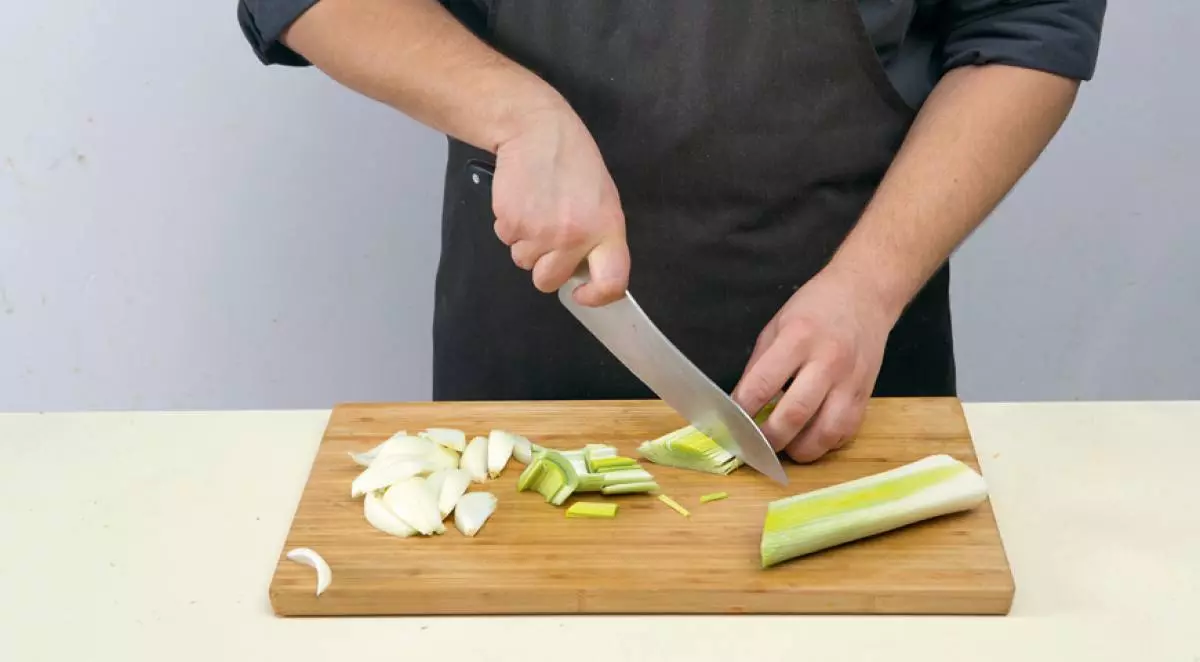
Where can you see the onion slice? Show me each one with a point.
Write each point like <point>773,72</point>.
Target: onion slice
<point>472,511</point>
<point>499,450</point>
<point>379,516</point>
<point>383,472</point>
<point>453,487</point>
<point>306,556</point>
<point>474,459</point>
<point>455,440</point>
<point>410,500</point>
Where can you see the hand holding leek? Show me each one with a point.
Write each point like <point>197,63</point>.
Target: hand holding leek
<point>830,337</point>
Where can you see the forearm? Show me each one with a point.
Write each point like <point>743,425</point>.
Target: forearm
<point>976,135</point>
<point>414,56</point>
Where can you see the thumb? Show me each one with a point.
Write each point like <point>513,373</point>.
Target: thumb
<point>608,273</point>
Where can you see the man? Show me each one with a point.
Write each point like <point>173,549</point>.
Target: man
<point>780,183</point>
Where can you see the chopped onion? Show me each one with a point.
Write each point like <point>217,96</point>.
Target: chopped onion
<point>472,511</point>
<point>522,449</point>
<point>499,450</point>
<point>453,487</point>
<point>474,459</point>
<point>440,457</point>
<point>383,472</point>
<point>308,557</point>
<point>364,458</point>
<point>410,500</point>
<point>455,440</point>
<point>434,481</point>
<point>381,517</point>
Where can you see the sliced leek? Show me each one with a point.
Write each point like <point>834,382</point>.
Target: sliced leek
<point>688,448</point>
<point>805,523</point>
<point>592,510</point>
<point>715,496</point>
<point>674,505</point>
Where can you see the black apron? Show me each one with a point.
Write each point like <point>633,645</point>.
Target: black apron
<point>744,138</point>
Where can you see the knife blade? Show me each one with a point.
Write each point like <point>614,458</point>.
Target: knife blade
<point>625,329</point>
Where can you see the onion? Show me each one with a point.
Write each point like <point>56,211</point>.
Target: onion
<point>308,557</point>
<point>472,511</point>
<point>474,459</point>
<point>381,517</point>
<point>410,500</point>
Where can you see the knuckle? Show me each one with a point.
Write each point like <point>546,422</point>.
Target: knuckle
<point>804,453</point>
<point>795,415</point>
<point>839,352</point>
<point>571,232</point>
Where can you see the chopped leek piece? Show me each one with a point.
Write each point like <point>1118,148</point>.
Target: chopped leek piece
<point>808,522</point>
<point>592,510</point>
<point>630,488</point>
<point>715,496</point>
<point>688,448</point>
<point>674,506</point>
<point>551,475</point>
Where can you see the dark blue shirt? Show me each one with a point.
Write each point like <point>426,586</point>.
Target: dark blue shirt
<point>916,40</point>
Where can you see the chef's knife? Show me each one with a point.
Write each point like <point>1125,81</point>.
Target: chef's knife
<point>625,329</point>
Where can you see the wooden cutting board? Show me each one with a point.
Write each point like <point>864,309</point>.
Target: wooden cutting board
<point>530,559</point>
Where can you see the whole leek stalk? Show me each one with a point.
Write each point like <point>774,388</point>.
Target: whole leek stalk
<point>805,523</point>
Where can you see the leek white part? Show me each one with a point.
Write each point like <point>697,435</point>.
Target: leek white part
<point>411,501</point>
<point>385,471</point>
<point>472,511</point>
<point>499,449</point>
<point>474,459</point>
<point>453,487</point>
<point>308,557</point>
<point>805,523</point>
<point>381,517</point>
<point>434,481</point>
<point>455,440</point>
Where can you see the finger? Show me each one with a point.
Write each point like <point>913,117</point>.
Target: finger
<point>836,423</point>
<point>505,231</point>
<point>554,268</point>
<point>525,254</point>
<point>780,360</point>
<point>798,406</point>
<point>608,274</point>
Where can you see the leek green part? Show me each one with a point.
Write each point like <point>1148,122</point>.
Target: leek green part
<point>592,510</point>
<point>809,507</point>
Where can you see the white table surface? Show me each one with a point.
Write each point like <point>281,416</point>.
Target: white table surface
<point>153,536</point>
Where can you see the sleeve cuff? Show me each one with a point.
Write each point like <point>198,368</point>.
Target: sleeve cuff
<point>1056,36</point>
<point>263,22</point>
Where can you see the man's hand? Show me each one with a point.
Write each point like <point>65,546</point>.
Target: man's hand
<point>555,203</point>
<point>830,337</point>
<point>979,131</point>
<point>556,206</point>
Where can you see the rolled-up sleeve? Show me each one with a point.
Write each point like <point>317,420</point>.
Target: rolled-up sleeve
<point>264,21</point>
<point>1057,36</point>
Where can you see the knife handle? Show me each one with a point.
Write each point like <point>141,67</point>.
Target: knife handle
<point>480,173</point>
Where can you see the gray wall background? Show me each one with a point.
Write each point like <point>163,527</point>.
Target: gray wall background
<point>183,228</point>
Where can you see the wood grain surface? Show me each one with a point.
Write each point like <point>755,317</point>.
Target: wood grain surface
<point>531,559</point>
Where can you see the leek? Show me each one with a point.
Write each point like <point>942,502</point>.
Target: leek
<point>688,448</point>
<point>592,510</point>
<point>674,505</point>
<point>715,496</point>
<point>805,523</point>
